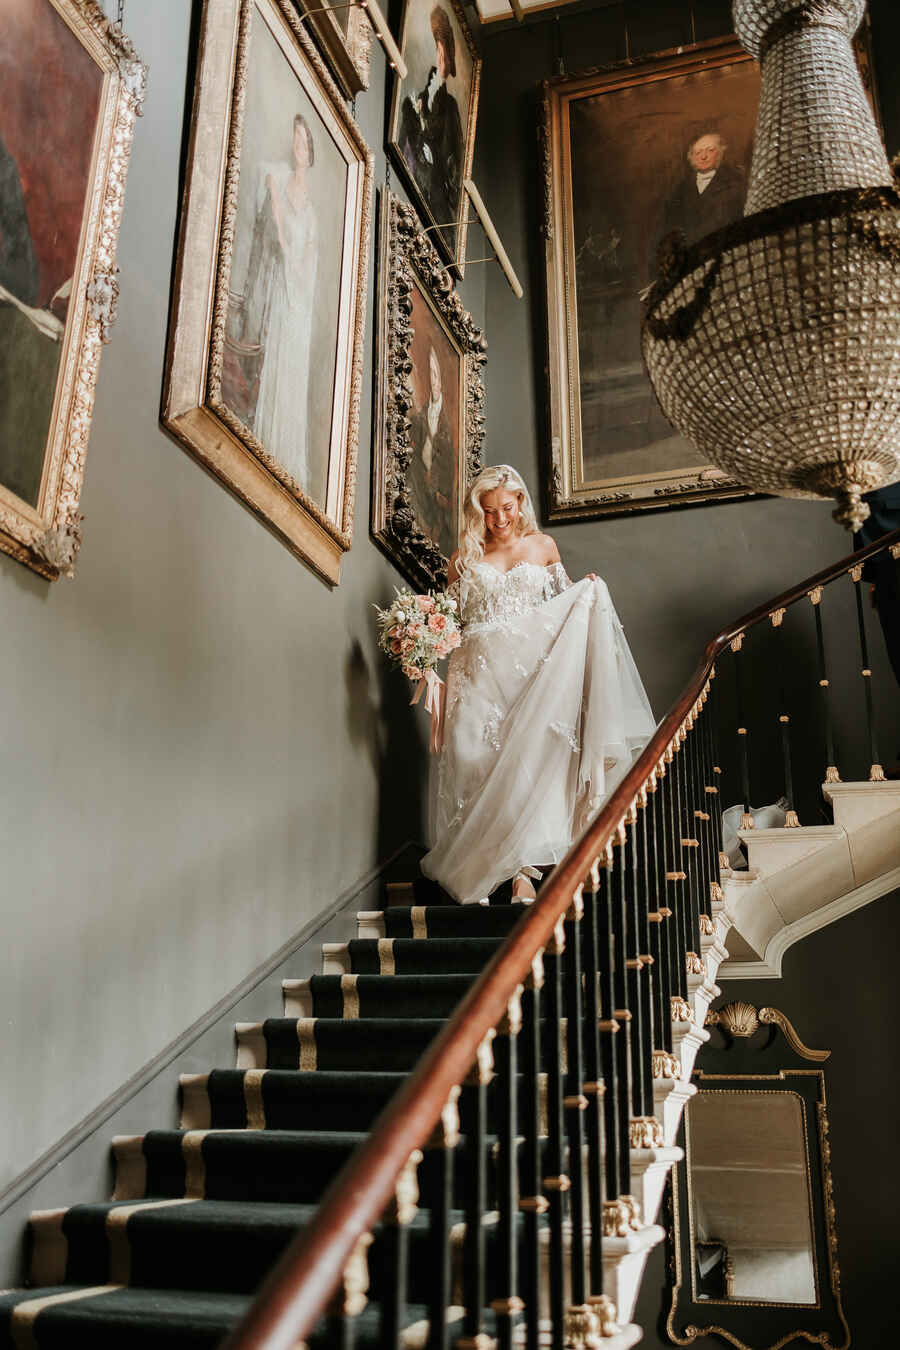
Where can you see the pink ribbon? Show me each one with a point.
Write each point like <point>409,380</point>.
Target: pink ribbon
<point>433,687</point>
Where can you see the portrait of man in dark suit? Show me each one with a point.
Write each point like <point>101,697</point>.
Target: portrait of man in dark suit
<point>710,195</point>
<point>431,133</point>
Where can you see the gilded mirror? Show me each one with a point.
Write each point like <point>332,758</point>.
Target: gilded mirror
<point>754,1260</point>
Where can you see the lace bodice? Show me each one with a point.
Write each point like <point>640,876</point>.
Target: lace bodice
<point>487,595</point>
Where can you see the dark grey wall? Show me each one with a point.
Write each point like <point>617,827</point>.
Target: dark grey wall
<point>202,747</point>
<point>839,989</point>
<point>677,575</point>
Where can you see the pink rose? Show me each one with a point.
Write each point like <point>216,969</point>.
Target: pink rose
<point>454,638</point>
<point>396,647</point>
<point>443,649</point>
<point>425,603</point>
<point>412,672</point>
<point>437,623</point>
<point>407,645</point>
<point>415,629</point>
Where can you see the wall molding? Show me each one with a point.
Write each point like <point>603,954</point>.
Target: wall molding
<point>769,968</point>
<point>95,1119</point>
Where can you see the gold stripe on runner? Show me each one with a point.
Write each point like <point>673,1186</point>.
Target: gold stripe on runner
<point>386,956</point>
<point>24,1315</point>
<point>306,1035</point>
<point>253,1099</point>
<point>117,1234</point>
<point>419,926</point>
<point>350,997</point>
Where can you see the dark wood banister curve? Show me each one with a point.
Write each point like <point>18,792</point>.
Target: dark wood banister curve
<point>295,1293</point>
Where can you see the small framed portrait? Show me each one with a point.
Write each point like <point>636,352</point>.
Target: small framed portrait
<point>345,35</point>
<point>429,401</point>
<point>433,114</point>
<point>631,155</point>
<point>265,345</point>
<point>71,86</point>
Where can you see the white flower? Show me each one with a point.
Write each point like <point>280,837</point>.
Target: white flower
<point>399,616</point>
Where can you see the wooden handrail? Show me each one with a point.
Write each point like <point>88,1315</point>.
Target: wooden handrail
<point>296,1292</point>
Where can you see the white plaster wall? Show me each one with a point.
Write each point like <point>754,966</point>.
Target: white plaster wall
<point>200,747</point>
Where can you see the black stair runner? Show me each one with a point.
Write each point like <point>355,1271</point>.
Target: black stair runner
<point>201,1214</point>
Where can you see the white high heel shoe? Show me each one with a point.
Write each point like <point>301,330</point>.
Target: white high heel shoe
<point>523,892</point>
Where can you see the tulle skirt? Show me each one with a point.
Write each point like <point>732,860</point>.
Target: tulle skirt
<point>544,716</point>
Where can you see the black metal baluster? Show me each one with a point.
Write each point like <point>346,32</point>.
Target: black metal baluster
<point>350,1298</point>
<point>713,779</point>
<point>705,805</point>
<point>678,875</point>
<point>533,1203</point>
<point>508,1304</point>
<point>593,1087</point>
<point>556,1183</point>
<point>575,1103</point>
<point>737,646</point>
<point>689,841</point>
<point>876,770</point>
<point>634,968</point>
<point>622,1014</point>
<point>442,1148</point>
<point>397,1218</point>
<point>673,879</point>
<point>609,1031</point>
<point>659,918</point>
<point>792,820</point>
<point>700,819</point>
<point>831,771</point>
<point>648,959</point>
<point>474,1265</point>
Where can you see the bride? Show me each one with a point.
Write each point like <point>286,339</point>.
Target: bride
<point>545,711</point>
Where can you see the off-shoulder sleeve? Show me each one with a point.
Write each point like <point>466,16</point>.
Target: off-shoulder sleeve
<point>557,581</point>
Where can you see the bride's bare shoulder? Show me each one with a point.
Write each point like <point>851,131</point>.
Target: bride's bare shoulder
<point>545,548</point>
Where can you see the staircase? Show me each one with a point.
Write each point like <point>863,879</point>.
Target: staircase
<point>459,1133</point>
<point>199,1215</point>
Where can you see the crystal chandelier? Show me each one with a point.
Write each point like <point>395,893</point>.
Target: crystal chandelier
<point>774,344</point>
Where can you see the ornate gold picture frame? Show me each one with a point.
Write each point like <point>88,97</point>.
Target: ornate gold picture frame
<point>345,36</point>
<point>617,177</point>
<point>63,162</point>
<point>264,361</point>
<point>429,401</point>
<point>434,110</point>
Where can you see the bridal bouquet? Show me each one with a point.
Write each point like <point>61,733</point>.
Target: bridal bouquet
<point>417,631</point>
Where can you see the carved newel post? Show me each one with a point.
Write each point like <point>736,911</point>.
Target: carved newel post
<point>774,344</point>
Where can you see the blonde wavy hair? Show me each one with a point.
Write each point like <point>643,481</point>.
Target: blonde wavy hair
<point>471,543</point>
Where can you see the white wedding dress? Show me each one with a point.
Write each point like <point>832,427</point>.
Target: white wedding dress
<point>545,713</point>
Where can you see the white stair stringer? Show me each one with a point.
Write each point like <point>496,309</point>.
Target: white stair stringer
<point>801,879</point>
<point>624,1260</point>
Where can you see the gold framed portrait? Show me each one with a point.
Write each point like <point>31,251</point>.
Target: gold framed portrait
<point>429,401</point>
<point>264,360</point>
<point>71,86</point>
<point>434,110</point>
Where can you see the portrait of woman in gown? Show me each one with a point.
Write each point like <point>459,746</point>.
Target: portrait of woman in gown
<point>281,292</point>
<point>545,710</point>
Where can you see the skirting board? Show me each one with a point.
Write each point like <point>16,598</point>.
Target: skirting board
<point>91,1123</point>
<point>769,968</point>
